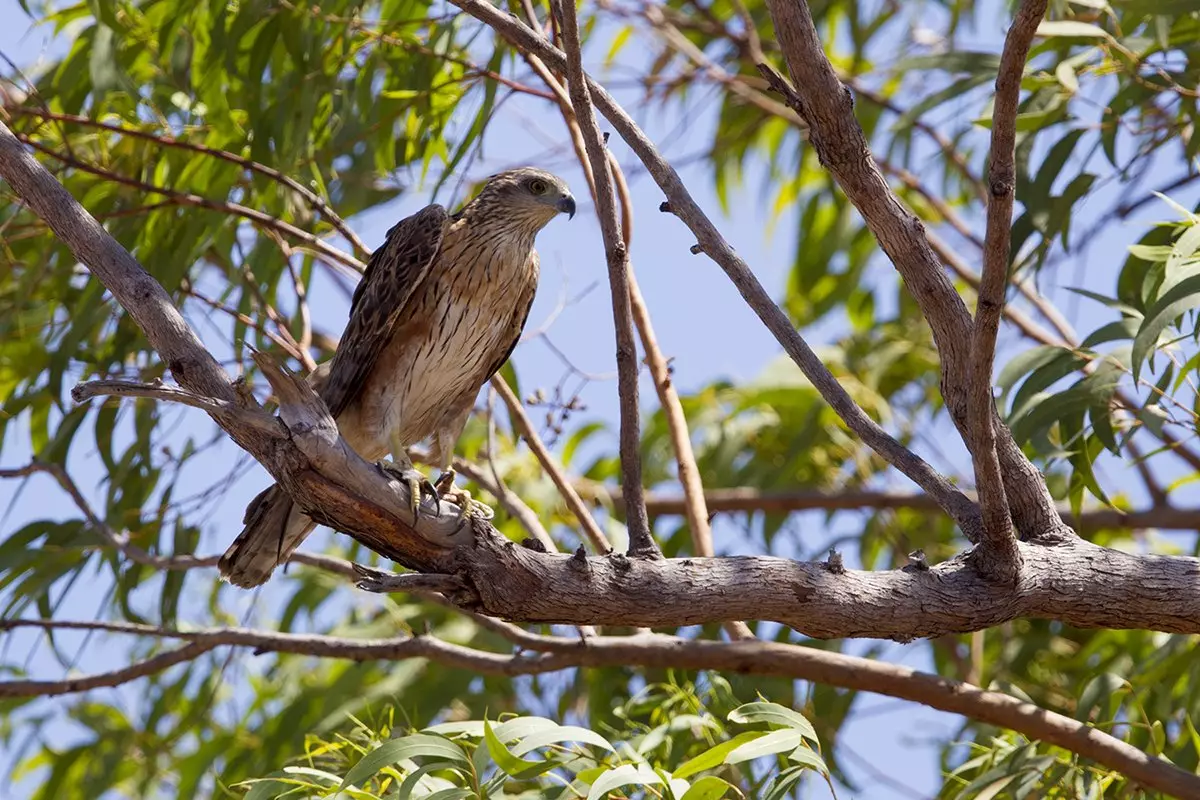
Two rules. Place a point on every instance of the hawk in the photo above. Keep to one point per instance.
(438, 311)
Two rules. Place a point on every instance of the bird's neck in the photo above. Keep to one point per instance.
(509, 228)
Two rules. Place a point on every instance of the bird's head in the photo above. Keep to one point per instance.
(528, 194)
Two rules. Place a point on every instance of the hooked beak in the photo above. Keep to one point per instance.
(566, 204)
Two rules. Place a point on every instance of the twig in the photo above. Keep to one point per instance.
(565, 488)
(159, 391)
(641, 543)
(290, 347)
(83, 683)
(981, 405)
(657, 651)
(751, 500)
(314, 200)
(306, 333)
(188, 199)
(380, 582)
(137, 292)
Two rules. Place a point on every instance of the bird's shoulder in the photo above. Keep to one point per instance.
(408, 248)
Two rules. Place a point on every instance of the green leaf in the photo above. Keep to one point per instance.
(1050, 28)
(414, 778)
(412, 746)
(1182, 297)
(776, 741)
(512, 765)
(715, 756)
(450, 794)
(805, 756)
(1114, 331)
(562, 733)
(1158, 737)
(624, 775)
(471, 727)
(520, 727)
(1100, 691)
(773, 714)
(1024, 363)
(709, 787)
(1066, 363)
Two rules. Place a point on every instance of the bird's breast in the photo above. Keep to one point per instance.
(466, 315)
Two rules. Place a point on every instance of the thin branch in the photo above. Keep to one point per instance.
(188, 199)
(751, 500)
(257, 420)
(657, 651)
(83, 683)
(685, 459)
(565, 488)
(137, 292)
(641, 543)
(711, 242)
(317, 202)
(660, 371)
(289, 347)
(1000, 551)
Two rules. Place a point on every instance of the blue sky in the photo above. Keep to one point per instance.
(701, 323)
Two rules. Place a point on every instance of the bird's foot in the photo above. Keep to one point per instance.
(461, 497)
(418, 485)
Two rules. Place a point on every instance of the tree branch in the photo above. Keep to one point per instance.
(826, 104)
(658, 651)
(999, 551)
(710, 241)
(1107, 589)
(641, 543)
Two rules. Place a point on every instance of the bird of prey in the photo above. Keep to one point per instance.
(438, 311)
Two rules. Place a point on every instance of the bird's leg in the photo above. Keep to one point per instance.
(460, 497)
(401, 467)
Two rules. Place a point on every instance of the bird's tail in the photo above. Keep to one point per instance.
(274, 528)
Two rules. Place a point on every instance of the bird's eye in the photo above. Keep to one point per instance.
(537, 186)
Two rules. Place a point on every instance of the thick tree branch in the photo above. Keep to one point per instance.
(711, 242)
(1106, 589)
(641, 543)
(827, 106)
(1001, 553)
(663, 652)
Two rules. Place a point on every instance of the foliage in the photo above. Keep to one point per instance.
(684, 756)
(215, 140)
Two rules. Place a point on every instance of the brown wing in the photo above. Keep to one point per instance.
(393, 273)
(526, 302)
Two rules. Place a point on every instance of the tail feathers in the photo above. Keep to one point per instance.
(274, 528)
